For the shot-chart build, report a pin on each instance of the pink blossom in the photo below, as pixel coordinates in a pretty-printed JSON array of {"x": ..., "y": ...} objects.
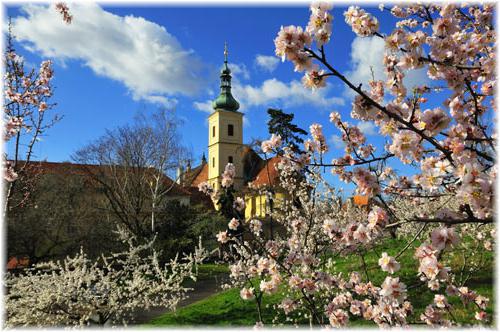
[
  {"x": 271, "y": 144},
  {"x": 228, "y": 175},
  {"x": 482, "y": 301},
  {"x": 440, "y": 301},
  {"x": 388, "y": 263},
  {"x": 247, "y": 293},
  {"x": 222, "y": 237},
  {"x": 269, "y": 287},
  {"x": 205, "y": 188},
  {"x": 377, "y": 218},
  {"x": 256, "y": 226},
  {"x": 406, "y": 146},
  {"x": 64, "y": 10},
  {"x": 444, "y": 237},
  {"x": 481, "y": 315},
  {"x": 434, "y": 121},
  {"x": 288, "y": 305},
  {"x": 9, "y": 174},
  {"x": 362, "y": 23},
  {"x": 392, "y": 288},
  {"x": 239, "y": 204},
  {"x": 233, "y": 224},
  {"x": 366, "y": 181},
  {"x": 339, "y": 318},
  {"x": 429, "y": 267},
  {"x": 314, "y": 79},
  {"x": 362, "y": 234}
]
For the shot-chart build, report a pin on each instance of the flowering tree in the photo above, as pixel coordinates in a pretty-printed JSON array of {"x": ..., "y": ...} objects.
[
  {"x": 80, "y": 292},
  {"x": 27, "y": 96},
  {"x": 27, "y": 102},
  {"x": 444, "y": 207}
]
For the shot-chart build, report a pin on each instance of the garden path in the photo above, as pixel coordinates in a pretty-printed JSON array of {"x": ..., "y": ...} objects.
[{"x": 203, "y": 288}]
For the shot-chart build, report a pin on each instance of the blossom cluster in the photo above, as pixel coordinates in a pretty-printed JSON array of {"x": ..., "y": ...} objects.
[
  {"x": 228, "y": 175},
  {"x": 443, "y": 203},
  {"x": 362, "y": 23},
  {"x": 80, "y": 292},
  {"x": 63, "y": 9},
  {"x": 271, "y": 144}
]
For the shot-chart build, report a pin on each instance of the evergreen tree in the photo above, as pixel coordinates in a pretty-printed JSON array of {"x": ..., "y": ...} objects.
[{"x": 281, "y": 124}]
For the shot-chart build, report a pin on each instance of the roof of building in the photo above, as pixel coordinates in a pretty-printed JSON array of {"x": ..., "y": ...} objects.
[
  {"x": 257, "y": 171},
  {"x": 268, "y": 174},
  {"x": 67, "y": 168},
  {"x": 18, "y": 263},
  {"x": 196, "y": 175}
]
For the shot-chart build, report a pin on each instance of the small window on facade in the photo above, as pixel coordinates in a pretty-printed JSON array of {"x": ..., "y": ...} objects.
[
  {"x": 213, "y": 162},
  {"x": 213, "y": 131},
  {"x": 230, "y": 159},
  {"x": 230, "y": 130}
]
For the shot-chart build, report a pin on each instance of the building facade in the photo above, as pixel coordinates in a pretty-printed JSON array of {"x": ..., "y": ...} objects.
[{"x": 225, "y": 145}]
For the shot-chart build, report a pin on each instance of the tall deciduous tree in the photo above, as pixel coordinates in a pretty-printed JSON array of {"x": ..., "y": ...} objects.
[{"x": 130, "y": 164}]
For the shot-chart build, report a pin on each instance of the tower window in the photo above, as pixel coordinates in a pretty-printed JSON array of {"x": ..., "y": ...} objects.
[
  {"x": 230, "y": 130},
  {"x": 213, "y": 162},
  {"x": 230, "y": 159},
  {"x": 213, "y": 131}
]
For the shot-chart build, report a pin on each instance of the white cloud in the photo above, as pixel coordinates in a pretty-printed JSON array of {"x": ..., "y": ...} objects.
[
  {"x": 367, "y": 128},
  {"x": 246, "y": 121},
  {"x": 273, "y": 92},
  {"x": 204, "y": 106},
  {"x": 337, "y": 142},
  {"x": 141, "y": 54},
  {"x": 239, "y": 70},
  {"x": 267, "y": 62},
  {"x": 367, "y": 55}
]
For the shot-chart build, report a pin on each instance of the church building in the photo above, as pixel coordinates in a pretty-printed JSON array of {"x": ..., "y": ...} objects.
[{"x": 225, "y": 145}]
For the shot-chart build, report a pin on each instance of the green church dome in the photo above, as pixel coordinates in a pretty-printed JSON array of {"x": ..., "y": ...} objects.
[{"x": 225, "y": 100}]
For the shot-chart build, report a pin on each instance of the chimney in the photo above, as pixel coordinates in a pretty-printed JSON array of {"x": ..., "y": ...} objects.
[{"x": 180, "y": 174}]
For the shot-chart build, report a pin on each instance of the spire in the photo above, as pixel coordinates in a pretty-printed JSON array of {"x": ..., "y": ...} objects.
[
  {"x": 203, "y": 159},
  {"x": 225, "y": 52},
  {"x": 225, "y": 100}
]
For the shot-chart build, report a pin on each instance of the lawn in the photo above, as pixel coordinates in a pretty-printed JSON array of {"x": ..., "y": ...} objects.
[{"x": 227, "y": 308}]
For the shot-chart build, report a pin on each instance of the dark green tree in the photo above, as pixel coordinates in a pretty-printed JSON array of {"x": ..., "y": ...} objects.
[{"x": 280, "y": 123}]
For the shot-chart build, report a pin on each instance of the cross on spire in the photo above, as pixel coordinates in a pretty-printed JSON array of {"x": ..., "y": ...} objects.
[{"x": 225, "y": 52}]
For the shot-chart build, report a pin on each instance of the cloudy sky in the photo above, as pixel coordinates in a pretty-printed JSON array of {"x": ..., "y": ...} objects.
[{"x": 112, "y": 62}]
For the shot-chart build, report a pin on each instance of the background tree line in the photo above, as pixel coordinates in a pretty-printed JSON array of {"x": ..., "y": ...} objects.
[{"x": 120, "y": 179}]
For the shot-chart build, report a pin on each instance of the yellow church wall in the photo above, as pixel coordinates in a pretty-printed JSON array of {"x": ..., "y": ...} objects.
[
  {"x": 256, "y": 205},
  {"x": 221, "y": 146}
]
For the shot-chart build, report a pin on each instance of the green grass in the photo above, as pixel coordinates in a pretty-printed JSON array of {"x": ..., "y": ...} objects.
[{"x": 227, "y": 308}]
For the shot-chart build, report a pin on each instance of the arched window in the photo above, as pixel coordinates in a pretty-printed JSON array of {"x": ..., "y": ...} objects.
[
  {"x": 213, "y": 162},
  {"x": 230, "y": 130},
  {"x": 213, "y": 131},
  {"x": 230, "y": 159}
]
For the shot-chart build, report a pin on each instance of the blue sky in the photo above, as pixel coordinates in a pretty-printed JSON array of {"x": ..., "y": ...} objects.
[{"x": 112, "y": 62}]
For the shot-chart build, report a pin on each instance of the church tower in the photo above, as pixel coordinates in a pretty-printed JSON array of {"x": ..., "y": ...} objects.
[{"x": 225, "y": 132}]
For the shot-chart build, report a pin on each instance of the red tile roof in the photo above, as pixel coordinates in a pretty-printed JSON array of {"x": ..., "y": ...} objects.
[
  {"x": 202, "y": 176},
  {"x": 18, "y": 263},
  {"x": 268, "y": 175},
  {"x": 67, "y": 168}
]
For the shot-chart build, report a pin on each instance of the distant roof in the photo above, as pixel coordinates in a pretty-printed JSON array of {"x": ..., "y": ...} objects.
[
  {"x": 195, "y": 176},
  {"x": 67, "y": 168},
  {"x": 18, "y": 263}
]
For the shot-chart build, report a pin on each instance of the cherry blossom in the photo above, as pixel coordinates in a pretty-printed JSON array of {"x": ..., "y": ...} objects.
[{"x": 388, "y": 263}]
